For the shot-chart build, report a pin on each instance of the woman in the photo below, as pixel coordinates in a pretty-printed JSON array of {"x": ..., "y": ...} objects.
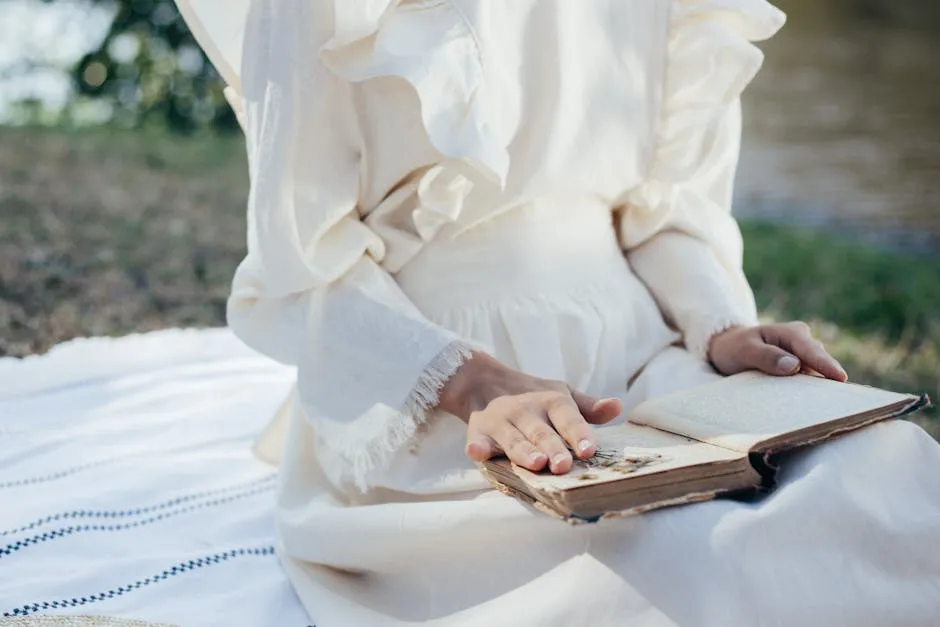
[{"x": 480, "y": 227}]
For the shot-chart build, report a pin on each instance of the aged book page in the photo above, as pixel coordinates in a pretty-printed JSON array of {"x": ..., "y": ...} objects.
[
  {"x": 744, "y": 410},
  {"x": 629, "y": 451},
  {"x": 636, "y": 469},
  {"x": 699, "y": 443}
]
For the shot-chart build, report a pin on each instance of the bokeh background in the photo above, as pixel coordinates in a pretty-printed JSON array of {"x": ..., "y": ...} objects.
[{"x": 123, "y": 179}]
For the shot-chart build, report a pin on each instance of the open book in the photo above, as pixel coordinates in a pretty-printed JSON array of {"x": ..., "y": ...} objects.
[{"x": 693, "y": 445}]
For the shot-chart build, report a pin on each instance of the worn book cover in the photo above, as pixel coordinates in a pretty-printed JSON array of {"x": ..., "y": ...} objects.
[{"x": 722, "y": 438}]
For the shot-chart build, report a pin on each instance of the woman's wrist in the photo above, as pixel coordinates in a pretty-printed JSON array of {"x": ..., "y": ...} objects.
[
  {"x": 716, "y": 338},
  {"x": 469, "y": 389}
]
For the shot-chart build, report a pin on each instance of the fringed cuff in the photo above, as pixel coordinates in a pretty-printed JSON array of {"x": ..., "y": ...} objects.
[
  {"x": 370, "y": 444},
  {"x": 698, "y": 337}
]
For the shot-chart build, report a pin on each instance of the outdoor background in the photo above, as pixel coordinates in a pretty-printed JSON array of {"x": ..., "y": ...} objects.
[{"x": 123, "y": 181}]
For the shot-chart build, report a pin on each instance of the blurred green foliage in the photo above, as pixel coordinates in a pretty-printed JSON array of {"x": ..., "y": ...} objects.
[
  {"x": 794, "y": 271},
  {"x": 149, "y": 67}
]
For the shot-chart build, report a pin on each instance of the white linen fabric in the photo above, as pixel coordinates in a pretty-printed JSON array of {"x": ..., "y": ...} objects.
[
  {"x": 127, "y": 485},
  {"x": 415, "y": 123},
  {"x": 128, "y": 491},
  {"x": 548, "y": 181}
]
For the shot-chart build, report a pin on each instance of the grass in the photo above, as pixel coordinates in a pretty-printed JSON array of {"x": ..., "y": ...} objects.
[
  {"x": 106, "y": 232},
  {"x": 878, "y": 312}
]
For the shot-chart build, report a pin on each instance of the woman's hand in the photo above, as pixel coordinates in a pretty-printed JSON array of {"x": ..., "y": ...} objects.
[
  {"x": 778, "y": 349},
  {"x": 533, "y": 421}
]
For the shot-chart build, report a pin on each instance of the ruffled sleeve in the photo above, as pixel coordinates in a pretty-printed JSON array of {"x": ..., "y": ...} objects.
[
  {"x": 677, "y": 226},
  {"x": 311, "y": 291}
]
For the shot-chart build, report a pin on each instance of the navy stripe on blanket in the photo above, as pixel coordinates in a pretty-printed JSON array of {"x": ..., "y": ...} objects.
[
  {"x": 137, "y": 511},
  {"x": 71, "y": 530},
  {"x": 178, "y": 569},
  {"x": 74, "y": 470},
  {"x": 17, "y": 483}
]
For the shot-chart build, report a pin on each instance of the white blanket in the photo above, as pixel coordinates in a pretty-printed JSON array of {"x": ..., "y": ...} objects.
[{"x": 128, "y": 487}]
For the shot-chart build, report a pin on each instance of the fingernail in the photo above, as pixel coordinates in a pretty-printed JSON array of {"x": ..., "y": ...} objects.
[
  {"x": 537, "y": 458},
  {"x": 788, "y": 363},
  {"x": 584, "y": 445},
  {"x": 559, "y": 459}
]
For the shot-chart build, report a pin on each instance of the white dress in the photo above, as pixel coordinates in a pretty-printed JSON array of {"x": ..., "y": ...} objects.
[{"x": 548, "y": 181}]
